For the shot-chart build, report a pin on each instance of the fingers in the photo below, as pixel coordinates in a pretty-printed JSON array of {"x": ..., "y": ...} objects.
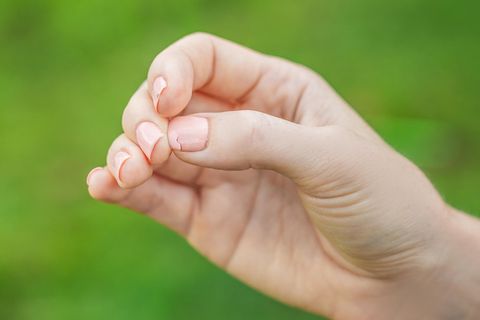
[
  {"x": 167, "y": 202},
  {"x": 127, "y": 163},
  {"x": 103, "y": 186},
  {"x": 239, "y": 140},
  {"x": 203, "y": 103},
  {"x": 180, "y": 171},
  {"x": 147, "y": 128},
  {"x": 217, "y": 67},
  {"x": 201, "y": 61}
]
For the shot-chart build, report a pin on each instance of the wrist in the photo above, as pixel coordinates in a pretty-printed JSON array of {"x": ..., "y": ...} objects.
[
  {"x": 459, "y": 273},
  {"x": 448, "y": 286},
  {"x": 450, "y": 289}
]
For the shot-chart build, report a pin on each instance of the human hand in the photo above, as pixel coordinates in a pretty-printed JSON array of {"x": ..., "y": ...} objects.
[{"x": 266, "y": 171}]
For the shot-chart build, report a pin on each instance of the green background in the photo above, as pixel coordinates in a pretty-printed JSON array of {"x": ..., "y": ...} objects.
[{"x": 67, "y": 69}]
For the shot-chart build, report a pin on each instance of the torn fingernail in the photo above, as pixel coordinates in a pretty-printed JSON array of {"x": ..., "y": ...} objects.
[
  {"x": 148, "y": 135},
  {"x": 158, "y": 86},
  {"x": 188, "y": 133},
  {"x": 118, "y": 162}
]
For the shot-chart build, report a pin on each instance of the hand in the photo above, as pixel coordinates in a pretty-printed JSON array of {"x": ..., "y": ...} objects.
[{"x": 266, "y": 171}]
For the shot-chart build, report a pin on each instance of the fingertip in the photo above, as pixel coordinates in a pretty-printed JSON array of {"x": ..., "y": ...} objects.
[
  {"x": 170, "y": 84},
  {"x": 158, "y": 86},
  {"x": 188, "y": 133},
  {"x": 127, "y": 163},
  {"x": 91, "y": 175},
  {"x": 173, "y": 100},
  {"x": 131, "y": 169},
  {"x": 102, "y": 185},
  {"x": 119, "y": 161},
  {"x": 153, "y": 142}
]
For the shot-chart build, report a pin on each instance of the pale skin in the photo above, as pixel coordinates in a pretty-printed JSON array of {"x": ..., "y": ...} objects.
[{"x": 288, "y": 189}]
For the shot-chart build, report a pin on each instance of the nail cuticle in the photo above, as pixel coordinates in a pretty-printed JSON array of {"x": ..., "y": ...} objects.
[
  {"x": 148, "y": 136},
  {"x": 119, "y": 162},
  {"x": 159, "y": 85}
]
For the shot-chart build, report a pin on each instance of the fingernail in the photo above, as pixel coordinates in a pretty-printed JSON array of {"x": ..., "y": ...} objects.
[
  {"x": 159, "y": 85},
  {"x": 91, "y": 174},
  {"x": 148, "y": 134},
  {"x": 118, "y": 162},
  {"x": 188, "y": 133}
]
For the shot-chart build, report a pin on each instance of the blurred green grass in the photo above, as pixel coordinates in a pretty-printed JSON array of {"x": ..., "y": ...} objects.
[{"x": 67, "y": 69}]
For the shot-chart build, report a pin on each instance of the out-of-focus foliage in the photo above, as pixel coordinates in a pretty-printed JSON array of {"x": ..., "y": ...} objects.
[{"x": 67, "y": 69}]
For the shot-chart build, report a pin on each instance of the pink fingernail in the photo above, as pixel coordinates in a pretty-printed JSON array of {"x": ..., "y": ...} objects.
[
  {"x": 148, "y": 135},
  {"x": 118, "y": 162},
  {"x": 188, "y": 133},
  {"x": 91, "y": 174},
  {"x": 159, "y": 85}
]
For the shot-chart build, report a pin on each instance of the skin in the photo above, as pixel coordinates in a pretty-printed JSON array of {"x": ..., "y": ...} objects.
[{"x": 310, "y": 206}]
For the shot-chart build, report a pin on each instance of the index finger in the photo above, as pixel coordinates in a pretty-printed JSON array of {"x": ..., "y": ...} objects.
[{"x": 203, "y": 62}]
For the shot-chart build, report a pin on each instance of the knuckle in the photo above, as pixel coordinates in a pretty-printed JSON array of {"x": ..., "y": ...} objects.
[
  {"x": 345, "y": 149},
  {"x": 336, "y": 141},
  {"x": 129, "y": 114},
  {"x": 125, "y": 117},
  {"x": 335, "y": 134},
  {"x": 257, "y": 125},
  {"x": 114, "y": 147},
  {"x": 198, "y": 36},
  {"x": 194, "y": 39},
  {"x": 255, "y": 122}
]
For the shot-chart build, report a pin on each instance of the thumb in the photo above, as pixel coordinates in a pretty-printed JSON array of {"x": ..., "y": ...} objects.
[{"x": 238, "y": 140}]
